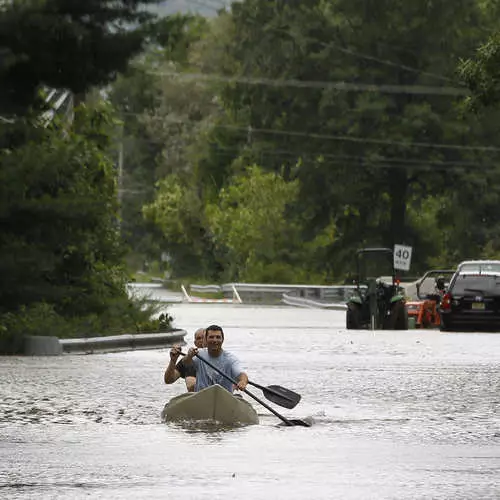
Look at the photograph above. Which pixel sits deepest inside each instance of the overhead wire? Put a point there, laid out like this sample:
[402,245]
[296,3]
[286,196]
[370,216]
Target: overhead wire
[386,62]
[330,158]
[372,58]
[353,161]
[346,138]
[315,84]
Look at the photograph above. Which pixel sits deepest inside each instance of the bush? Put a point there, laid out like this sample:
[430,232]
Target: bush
[40,319]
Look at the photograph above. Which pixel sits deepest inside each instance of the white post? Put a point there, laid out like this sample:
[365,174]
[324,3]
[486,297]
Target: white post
[236,294]
[186,295]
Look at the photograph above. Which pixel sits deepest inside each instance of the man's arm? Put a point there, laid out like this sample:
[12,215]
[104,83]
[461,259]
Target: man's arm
[171,373]
[188,374]
[238,373]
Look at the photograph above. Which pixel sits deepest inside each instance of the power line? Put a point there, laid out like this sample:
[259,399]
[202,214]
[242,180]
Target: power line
[366,140]
[346,160]
[316,84]
[386,62]
[380,159]
[379,60]
[358,161]
[367,159]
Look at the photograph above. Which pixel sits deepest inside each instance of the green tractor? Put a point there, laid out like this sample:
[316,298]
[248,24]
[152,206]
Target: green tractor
[378,302]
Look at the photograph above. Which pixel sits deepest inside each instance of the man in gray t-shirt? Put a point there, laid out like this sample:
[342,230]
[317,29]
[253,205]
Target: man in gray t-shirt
[225,361]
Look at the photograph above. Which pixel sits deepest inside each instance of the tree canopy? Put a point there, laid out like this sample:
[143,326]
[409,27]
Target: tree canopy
[61,256]
[482,74]
[360,106]
[67,44]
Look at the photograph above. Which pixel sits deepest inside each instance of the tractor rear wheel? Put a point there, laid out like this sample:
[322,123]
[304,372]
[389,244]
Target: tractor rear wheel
[353,316]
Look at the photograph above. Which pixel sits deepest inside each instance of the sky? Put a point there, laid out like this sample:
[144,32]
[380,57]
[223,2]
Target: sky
[205,7]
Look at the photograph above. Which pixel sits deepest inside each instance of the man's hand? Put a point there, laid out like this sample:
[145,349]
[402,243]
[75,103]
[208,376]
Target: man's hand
[193,351]
[242,382]
[175,352]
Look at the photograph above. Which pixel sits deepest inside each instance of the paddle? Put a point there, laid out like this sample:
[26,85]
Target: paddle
[279,395]
[286,421]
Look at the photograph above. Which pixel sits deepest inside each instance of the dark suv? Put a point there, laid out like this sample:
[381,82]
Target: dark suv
[472,302]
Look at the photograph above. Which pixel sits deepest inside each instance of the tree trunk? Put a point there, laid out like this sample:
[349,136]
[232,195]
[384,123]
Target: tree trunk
[398,189]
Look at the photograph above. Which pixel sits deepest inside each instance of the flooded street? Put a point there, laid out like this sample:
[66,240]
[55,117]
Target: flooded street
[399,415]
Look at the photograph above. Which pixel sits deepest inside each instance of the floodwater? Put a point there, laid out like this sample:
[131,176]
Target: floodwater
[399,415]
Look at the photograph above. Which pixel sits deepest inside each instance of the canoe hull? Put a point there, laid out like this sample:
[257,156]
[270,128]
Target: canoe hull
[212,403]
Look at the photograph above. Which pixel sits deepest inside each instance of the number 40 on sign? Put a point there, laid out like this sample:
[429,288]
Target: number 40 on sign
[402,257]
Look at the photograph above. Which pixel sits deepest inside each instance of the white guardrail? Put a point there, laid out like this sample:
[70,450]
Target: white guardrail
[210,289]
[309,296]
[291,300]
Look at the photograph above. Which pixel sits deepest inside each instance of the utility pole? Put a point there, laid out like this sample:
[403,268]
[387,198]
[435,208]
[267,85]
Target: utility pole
[120,178]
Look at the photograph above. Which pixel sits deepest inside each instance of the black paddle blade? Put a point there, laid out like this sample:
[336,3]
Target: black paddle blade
[296,422]
[302,423]
[281,396]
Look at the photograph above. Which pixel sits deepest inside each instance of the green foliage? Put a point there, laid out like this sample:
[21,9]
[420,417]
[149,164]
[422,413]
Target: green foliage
[60,255]
[65,44]
[357,168]
[120,316]
[351,149]
[160,121]
[58,219]
[482,74]
[178,212]
[248,218]
[175,35]
[252,232]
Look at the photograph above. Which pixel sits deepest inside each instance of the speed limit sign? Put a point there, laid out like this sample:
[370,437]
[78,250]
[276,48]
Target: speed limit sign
[402,257]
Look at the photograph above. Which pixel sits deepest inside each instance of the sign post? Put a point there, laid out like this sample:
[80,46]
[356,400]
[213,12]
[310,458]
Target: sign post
[402,257]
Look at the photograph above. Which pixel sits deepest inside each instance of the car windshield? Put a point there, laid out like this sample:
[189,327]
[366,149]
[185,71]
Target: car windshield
[477,283]
[482,267]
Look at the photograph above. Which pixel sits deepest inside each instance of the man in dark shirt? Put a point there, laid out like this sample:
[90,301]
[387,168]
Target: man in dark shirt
[187,372]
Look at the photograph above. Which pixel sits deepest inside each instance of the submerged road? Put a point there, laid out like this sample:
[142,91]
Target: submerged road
[399,415]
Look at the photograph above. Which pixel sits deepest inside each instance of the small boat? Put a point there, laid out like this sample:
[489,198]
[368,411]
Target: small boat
[212,403]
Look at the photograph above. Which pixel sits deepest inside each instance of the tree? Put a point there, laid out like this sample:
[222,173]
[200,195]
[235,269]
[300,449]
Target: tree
[179,213]
[59,243]
[248,222]
[357,148]
[60,252]
[246,227]
[67,44]
[161,118]
[482,74]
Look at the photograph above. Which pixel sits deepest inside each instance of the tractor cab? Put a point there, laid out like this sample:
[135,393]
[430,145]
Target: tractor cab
[378,301]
